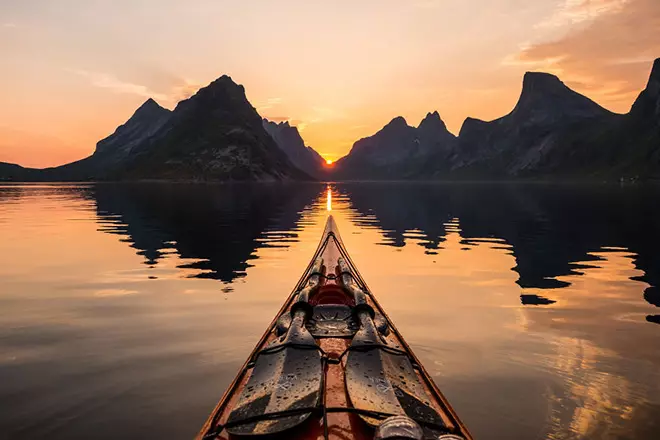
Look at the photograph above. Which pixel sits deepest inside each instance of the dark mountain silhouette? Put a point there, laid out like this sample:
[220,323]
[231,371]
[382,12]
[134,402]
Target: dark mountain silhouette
[214,135]
[552,132]
[11,171]
[289,140]
[611,147]
[433,135]
[517,142]
[145,122]
[637,141]
[397,150]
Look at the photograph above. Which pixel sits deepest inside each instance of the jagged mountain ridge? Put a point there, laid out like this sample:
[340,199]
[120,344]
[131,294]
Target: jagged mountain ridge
[518,141]
[398,150]
[611,147]
[288,138]
[214,135]
[553,132]
[145,122]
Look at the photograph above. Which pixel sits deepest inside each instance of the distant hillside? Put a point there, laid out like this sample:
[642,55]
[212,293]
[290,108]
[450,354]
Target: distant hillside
[11,171]
[214,135]
[289,140]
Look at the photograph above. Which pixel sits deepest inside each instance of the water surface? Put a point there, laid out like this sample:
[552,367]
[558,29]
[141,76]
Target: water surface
[126,310]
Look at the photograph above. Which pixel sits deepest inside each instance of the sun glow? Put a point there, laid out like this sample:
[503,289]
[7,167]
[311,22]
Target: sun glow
[328,161]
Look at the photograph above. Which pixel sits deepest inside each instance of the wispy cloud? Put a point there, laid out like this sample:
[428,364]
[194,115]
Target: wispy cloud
[573,12]
[9,25]
[547,64]
[107,81]
[269,104]
[179,90]
[184,90]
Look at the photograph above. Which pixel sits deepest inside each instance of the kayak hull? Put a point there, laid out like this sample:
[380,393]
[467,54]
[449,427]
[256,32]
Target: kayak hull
[353,401]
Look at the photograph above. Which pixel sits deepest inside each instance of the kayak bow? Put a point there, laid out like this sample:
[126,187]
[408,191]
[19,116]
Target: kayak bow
[332,366]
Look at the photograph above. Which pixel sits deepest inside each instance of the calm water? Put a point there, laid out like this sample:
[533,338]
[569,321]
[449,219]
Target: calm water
[125,311]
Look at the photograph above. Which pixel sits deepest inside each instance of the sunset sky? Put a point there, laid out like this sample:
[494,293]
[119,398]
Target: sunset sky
[71,71]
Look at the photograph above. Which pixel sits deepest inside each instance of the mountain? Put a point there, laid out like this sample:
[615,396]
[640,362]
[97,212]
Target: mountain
[552,132]
[433,135]
[398,150]
[518,142]
[609,147]
[647,105]
[11,171]
[639,139]
[127,138]
[289,140]
[214,135]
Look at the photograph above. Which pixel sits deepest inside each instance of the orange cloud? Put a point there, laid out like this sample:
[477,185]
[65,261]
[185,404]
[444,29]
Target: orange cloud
[609,58]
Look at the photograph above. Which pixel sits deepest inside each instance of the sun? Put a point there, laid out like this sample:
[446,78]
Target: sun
[328,161]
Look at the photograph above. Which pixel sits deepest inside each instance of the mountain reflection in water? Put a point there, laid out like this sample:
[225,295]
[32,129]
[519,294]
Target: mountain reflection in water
[217,227]
[129,308]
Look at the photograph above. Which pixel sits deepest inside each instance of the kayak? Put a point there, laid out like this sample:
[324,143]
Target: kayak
[333,366]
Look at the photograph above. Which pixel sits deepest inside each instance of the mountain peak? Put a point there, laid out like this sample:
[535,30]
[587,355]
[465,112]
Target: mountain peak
[223,84]
[280,124]
[653,85]
[546,99]
[149,103]
[224,79]
[432,119]
[655,71]
[221,93]
[540,82]
[471,124]
[149,106]
[288,138]
[432,116]
[648,101]
[144,122]
[397,122]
